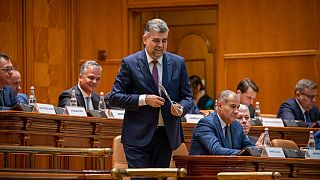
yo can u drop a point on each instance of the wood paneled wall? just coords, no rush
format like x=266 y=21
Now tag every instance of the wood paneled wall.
x=275 y=43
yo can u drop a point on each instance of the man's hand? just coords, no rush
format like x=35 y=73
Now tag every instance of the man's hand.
x=176 y=109
x=154 y=101
x=259 y=142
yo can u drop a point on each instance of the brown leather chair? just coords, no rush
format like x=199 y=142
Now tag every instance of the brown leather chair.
x=284 y=143
x=119 y=158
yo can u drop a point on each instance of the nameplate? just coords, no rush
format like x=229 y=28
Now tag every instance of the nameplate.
x=272 y=122
x=116 y=113
x=272 y=152
x=76 y=111
x=193 y=118
x=45 y=108
x=312 y=154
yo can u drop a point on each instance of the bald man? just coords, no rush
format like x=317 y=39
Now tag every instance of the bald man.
x=14 y=82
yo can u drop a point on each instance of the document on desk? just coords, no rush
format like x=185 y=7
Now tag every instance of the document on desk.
x=167 y=95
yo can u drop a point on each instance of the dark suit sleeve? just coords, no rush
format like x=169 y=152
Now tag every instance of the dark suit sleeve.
x=317 y=139
x=64 y=99
x=119 y=96
x=286 y=111
x=206 y=135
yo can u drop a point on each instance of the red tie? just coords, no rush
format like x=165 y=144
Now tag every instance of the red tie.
x=155 y=74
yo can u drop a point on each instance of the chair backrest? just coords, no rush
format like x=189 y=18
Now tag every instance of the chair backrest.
x=284 y=143
x=118 y=156
x=248 y=175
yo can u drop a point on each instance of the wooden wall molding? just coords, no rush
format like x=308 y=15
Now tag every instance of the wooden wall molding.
x=312 y=52
x=168 y=3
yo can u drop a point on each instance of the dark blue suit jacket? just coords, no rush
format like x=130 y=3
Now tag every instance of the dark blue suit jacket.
x=134 y=79
x=208 y=137
x=290 y=110
x=317 y=139
x=64 y=98
x=22 y=98
x=9 y=98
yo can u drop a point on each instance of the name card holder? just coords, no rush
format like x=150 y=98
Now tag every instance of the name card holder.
x=76 y=111
x=116 y=113
x=193 y=118
x=44 y=108
x=275 y=152
x=312 y=154
x=272 y=122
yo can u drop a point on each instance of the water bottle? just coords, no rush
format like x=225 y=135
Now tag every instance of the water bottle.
x=257 y=113
x=32 y=97
x=102 y=104
x=266 y=139
x=311 y=143
x=73 y=99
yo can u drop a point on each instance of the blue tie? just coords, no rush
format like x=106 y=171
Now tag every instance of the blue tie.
x=308 y=119
x=87 y=103
x=228 y=139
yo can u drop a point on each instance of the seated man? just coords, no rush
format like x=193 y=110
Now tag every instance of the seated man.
x=219 y=133
x=245 y=120
x=14 y=82
x=303 y=105
x=317 y=139
x=7 y=96
x=89 y=81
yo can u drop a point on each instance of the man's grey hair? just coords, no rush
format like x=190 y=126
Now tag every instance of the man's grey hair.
x=304 y=84
x=225 y=94
x=244 y=109
x=157 y=25
x=4 y=56
x=87 y=64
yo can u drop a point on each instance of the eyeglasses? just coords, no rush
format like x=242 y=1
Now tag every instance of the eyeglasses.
x=311 y=97
x=8 y=69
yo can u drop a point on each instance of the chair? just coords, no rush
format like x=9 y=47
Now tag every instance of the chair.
x=284 y=143
x=119 y=158
x=248 y=175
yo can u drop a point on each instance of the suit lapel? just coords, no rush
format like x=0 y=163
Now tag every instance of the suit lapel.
x=297 y=107
x=167 y=70
x=144 y=66
x=95 y=100
x=217 y=123
x=80 y=98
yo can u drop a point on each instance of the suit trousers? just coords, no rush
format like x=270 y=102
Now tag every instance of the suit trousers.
x=157 y=154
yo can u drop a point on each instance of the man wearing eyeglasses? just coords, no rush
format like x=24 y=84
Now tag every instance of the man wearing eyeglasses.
x=303 y=106
x=7 y=95
x=220 y=133
x=89 y=81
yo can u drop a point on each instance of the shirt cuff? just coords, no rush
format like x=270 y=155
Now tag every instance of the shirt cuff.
x=142 y=100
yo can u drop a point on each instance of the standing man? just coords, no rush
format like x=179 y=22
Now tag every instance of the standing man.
x=219 y=133
x=89 y=81
x=247 y=90
x=14 y=82
x=303 y=105
x=152 y=124
x=7 y=96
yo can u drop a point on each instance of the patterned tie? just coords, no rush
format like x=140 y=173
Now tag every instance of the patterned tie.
x=307 y=114
x=88 y=103
x=228 y=137
x=155 y=74
x=1 y=98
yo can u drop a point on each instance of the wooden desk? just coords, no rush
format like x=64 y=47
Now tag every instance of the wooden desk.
x=207 y=167
x=35 y=129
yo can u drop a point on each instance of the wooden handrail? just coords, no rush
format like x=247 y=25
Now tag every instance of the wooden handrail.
x=149 y=172
x=32 y=150
x=248 y=175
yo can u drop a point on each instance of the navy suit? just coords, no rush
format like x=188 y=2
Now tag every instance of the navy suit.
x=64 y=98
x=291 y=110
x=9 y=98
x=317 y=139
x=135 y=79
x=22 y=98
x=208 y=137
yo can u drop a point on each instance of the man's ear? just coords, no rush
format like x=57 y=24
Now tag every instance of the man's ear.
x=238 y=91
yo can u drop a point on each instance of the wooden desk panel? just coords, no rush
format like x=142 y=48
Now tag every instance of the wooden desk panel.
x=207 y=167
